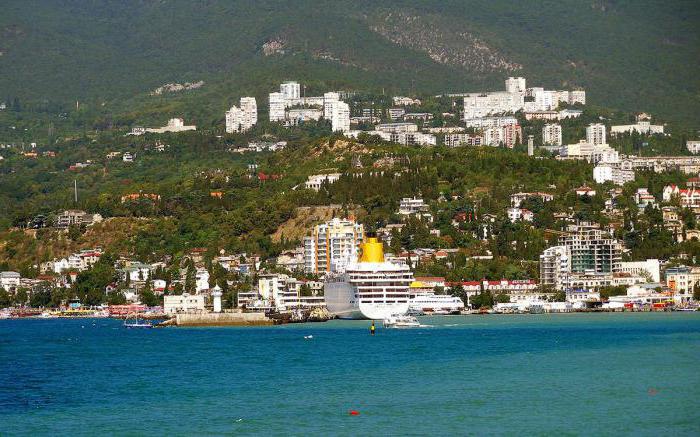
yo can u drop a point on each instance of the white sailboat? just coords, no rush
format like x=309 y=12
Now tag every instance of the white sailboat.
x=135 y=323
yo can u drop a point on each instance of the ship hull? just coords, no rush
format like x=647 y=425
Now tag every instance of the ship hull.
x=341 y=301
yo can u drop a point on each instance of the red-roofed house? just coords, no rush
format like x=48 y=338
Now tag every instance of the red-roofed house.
x=693 y=183
x=585 y=191
x=689 y=198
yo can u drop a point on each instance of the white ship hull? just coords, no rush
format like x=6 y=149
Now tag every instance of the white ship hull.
x=341 y=301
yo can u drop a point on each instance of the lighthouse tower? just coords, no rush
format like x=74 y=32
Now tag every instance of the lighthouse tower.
x=216 y=295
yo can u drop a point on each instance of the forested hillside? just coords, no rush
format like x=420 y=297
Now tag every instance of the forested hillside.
x=635 y=55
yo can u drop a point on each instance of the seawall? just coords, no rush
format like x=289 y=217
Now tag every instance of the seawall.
x=220 y=319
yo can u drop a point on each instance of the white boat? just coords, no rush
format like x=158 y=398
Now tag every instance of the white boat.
x=135 y=323
x=403 y=321
x=369 y=288
x=431 y=303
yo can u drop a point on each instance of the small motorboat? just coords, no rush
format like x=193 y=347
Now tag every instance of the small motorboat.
x=135 y=323
x=401 y=321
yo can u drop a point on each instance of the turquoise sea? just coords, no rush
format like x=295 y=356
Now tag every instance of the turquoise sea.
x=572 y=374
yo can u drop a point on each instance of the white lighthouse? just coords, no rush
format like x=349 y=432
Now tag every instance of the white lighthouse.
x=216 y=295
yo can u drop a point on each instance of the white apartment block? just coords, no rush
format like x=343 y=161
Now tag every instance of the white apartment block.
x=478 y=105
x=412 y=205
x=183 y=304
x=693 y=147
x=658 y=164
x=283 y=292
x=650 y=268
x=402 y=137
x=605 y=172
x=296 y=116
x=682 y=280
x=513 y=99
x=277 y=107
x=551 y=134
x=517 y=199
x=518 y=214
x=595 y=134
x=314 y=182
x=329 y=99
x=485 y=122
x=249 y=107
x=577 y=96
x=555 y=267
x=396 y=113
x=590 y=152
x=173 y=125
x=405 y=101
x=642 y=127
x=456 y=140
x=397 y=127
x=243 y=118
x=273 y=290
x=9 y=281
x=543 y=100
x=332 y=245
x=516 y=85
x=290 y=90
x=508 y=135
x=340 y=119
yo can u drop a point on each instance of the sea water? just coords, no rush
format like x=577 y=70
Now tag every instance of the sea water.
x=573 y=374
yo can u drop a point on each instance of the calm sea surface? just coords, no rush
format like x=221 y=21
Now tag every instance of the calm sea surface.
x=567 y=374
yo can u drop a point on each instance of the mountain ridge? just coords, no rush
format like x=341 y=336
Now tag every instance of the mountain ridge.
x=629 y=55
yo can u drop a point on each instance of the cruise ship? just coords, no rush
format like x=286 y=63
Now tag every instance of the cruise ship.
x=369 y=288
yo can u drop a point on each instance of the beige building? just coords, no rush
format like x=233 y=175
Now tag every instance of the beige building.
x=184 y=303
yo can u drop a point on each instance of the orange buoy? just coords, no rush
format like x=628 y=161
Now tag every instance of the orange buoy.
x=354 y=413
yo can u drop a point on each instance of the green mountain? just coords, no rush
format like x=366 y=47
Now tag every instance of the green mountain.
x=628 y=54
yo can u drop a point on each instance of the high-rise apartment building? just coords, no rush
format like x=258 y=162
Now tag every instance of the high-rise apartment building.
x=340 y=119
x=243 y=118
x=592 y=250
x=515 y=85
x=595 y=134
x=329 y=99
x=291 y=90
x=277 y=105
x=332 y=245
x=551 y=134
x=555 y=267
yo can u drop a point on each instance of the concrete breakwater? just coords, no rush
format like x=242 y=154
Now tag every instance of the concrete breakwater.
x=219 y=319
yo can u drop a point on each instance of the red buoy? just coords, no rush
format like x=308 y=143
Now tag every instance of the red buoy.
x=354 y=413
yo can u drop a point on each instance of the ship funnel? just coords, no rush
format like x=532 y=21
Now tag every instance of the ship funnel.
x=372 y=251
